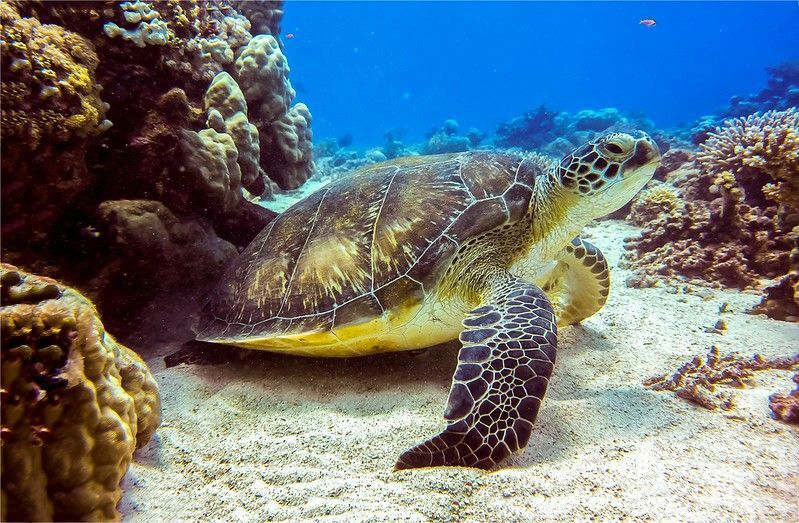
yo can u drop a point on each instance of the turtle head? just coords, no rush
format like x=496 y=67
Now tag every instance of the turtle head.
x=605 y=173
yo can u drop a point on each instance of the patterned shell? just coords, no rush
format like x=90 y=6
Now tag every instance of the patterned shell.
x=378 y=239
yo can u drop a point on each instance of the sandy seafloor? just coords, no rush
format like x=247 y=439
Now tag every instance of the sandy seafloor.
x=276 y=438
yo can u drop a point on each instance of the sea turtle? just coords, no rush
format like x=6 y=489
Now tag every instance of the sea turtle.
x=416 y=251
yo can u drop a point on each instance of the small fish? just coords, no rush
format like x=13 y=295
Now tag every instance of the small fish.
x=289 y=36
x=648 y=22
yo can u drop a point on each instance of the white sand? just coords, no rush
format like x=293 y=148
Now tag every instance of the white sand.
x=292 y=439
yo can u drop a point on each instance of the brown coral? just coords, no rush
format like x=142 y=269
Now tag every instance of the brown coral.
x=49 y=90
x=786 y=406
x=757 y=158
x=695 y=381
x=289 y=155
x=735 y=222
x=76 y=404
x=50 y=107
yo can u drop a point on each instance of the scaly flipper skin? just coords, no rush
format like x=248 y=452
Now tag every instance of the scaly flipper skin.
x=508 y=352
x=579 y=285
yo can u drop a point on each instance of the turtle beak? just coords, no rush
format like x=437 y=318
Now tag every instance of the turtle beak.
x=647 y=152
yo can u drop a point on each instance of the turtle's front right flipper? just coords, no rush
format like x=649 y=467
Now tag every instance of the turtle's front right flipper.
x=503 y=371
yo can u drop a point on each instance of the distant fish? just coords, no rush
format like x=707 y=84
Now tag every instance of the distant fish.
x=648 y=22
x=289 y=36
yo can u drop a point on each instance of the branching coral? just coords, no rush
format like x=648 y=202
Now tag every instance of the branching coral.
x=786 y=406
x=757 y=158
x=696 y=380
x=737 y=218
x=76 y=404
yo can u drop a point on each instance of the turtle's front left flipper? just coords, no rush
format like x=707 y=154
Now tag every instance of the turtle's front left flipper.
x=503 y=371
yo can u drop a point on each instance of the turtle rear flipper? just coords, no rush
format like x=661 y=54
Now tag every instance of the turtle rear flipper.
x=579 y=285
x=504 y=365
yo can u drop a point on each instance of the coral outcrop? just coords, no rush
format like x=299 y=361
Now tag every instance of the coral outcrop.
x=447 y=139
x=289 y=156
x=786 y=406
x=732 y=217
x=285 y=132
x=558 y=133
x=264 y=15
x=76 y=404
x=697 y=379
x=781 y=93
x=51 y=106
x=199 y=39
x=227 y=113
x=263 y=70
x=183 y=135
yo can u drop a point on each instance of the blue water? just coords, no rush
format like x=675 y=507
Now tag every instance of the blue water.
x=365 y=68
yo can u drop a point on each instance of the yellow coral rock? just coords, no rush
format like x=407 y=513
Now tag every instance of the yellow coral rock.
x=49 y=91
x=76 y=404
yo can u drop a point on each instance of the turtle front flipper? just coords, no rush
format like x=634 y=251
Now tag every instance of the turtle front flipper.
x=507 y=355
x=579 y=285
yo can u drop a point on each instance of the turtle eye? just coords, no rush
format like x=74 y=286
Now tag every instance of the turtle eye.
x=614 y=148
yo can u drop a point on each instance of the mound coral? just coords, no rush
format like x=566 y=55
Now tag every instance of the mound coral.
x=227 y=113
x=695 y=381
x=290 y=161
x=76 y=404
x=263 y=72
x=736 y=216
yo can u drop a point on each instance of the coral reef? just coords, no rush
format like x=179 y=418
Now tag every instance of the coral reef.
x=447 y=140
x=696 y=380
x=51 y=106
x=786 y=406
x=150 y=28
x=285 y=133
x=183 y=134
x=76 y=404
x=746 y=152
x=732 y=218
x=199 y=38
x=227 y=113
x=781 y=93
x=557 y=133
x=530 y=131
x=288 y=158
x=264 y=15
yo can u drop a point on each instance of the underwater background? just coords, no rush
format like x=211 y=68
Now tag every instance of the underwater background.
x=147 y=143
x=411 y=65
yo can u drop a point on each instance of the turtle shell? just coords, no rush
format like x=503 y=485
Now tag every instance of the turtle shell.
x=365 y=244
